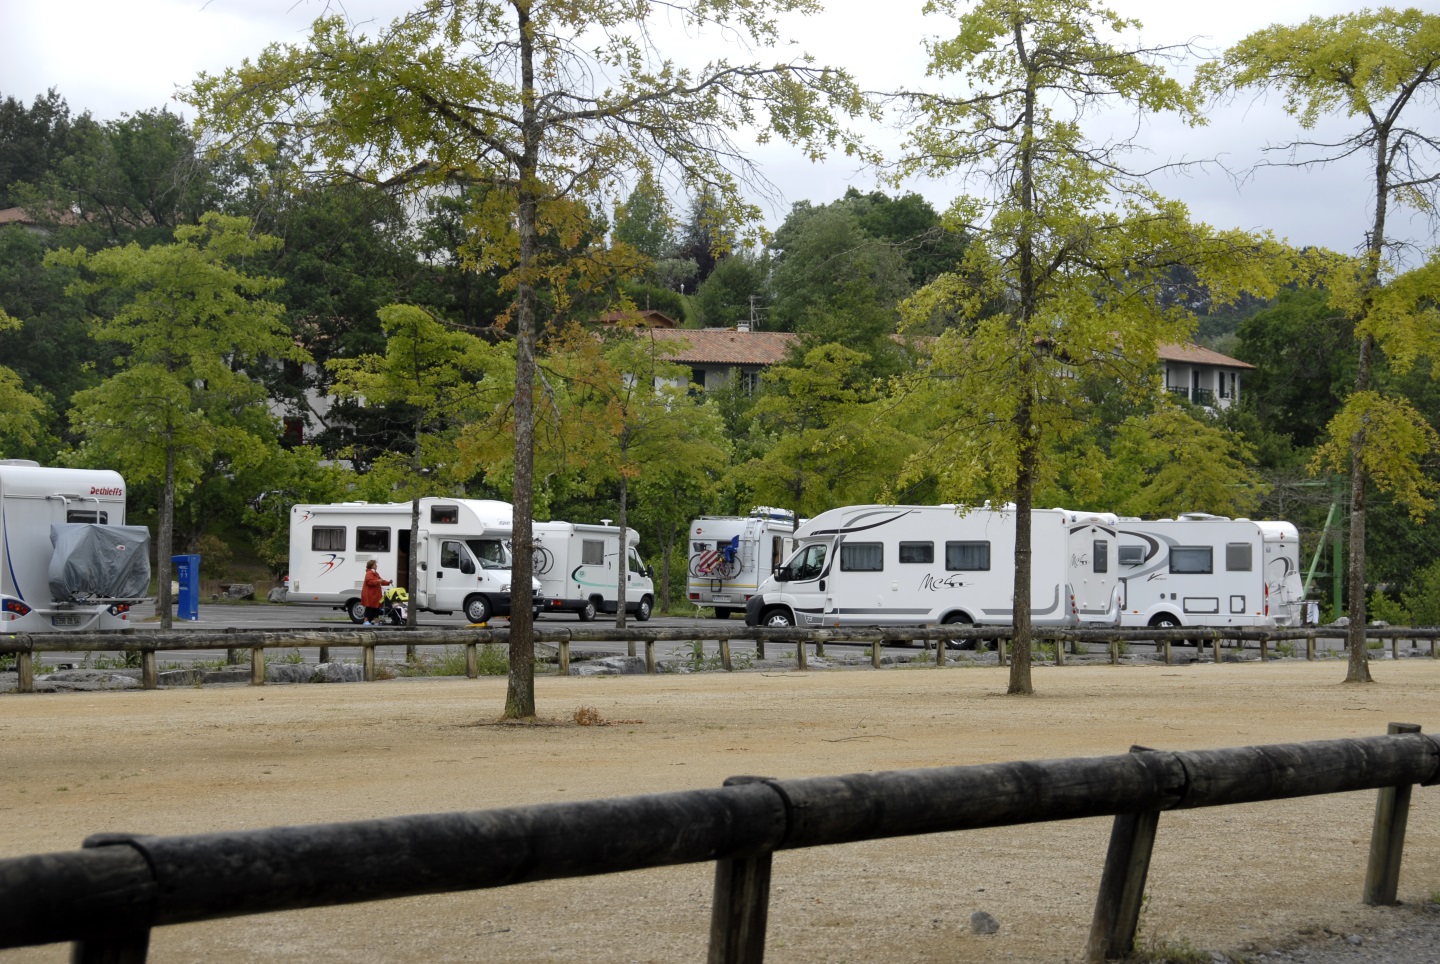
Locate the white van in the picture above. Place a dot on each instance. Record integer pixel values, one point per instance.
(463, 564)
(926, 565)
(579, 567)
(69, 561)
(730, 555)
(1208, 570)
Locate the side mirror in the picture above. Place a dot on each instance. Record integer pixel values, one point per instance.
(783, 574)
(467, 566)
(649, 572)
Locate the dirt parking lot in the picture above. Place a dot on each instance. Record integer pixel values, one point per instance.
(1239, 880)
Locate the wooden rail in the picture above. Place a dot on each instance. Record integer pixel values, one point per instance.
(24, 646)
(107, 897)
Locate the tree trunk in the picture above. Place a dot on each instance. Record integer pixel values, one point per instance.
(165, 545)
(1020, 682)
(520, 693)
(624, 560)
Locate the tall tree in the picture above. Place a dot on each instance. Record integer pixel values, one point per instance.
(1381, 70)
(1068, 245)
(193, 324)
(19, 410)
(548, 101)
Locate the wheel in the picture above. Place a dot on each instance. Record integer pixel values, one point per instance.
(477, 609)
(642, 612)
(396, 619)
(588, 613)
(355, 609)
(722, 612)
(958, 619)
(777, 619)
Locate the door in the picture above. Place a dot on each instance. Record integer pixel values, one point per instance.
(452, 573)
(808, 586)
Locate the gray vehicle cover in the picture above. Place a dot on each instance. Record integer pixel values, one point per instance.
(99, 562)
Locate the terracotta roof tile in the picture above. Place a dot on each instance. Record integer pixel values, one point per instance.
(1195, 355)
(728, 346)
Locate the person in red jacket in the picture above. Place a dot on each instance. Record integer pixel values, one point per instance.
(370, 593)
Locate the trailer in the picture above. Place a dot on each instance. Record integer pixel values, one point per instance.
(731, 555)
(928, 565)
(70, 563)
(578, 566)
(462, 565)
(1209, 570)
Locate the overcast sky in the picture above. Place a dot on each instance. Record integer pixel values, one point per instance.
(111, 57)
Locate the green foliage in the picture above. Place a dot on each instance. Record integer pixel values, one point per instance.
(734, 292)
(20, 412)
(1397, 438)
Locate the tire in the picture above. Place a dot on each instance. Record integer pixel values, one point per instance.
(958, 619)
(722, 612)
(355, 609)
(395, 619)
(777, 619)
(1166, 621)
(477, 609)
(588, 613)
(642, 612)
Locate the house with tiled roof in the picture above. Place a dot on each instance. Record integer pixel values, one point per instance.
(715, 355)
(1201, 375)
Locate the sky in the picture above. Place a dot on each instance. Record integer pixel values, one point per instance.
(112, 58)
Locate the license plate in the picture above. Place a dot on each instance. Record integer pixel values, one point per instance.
(719, 598)
(65, 620)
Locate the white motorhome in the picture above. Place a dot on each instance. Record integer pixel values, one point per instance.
(926, 565)
(69, 561)
(1208, 570)
(731, 555)
(463, 563)
(578, 566)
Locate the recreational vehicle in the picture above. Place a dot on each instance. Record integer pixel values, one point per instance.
(579, 570)
(70, 562)
(926, 565)
(730, 555)
(463, 563)
(1208, 570)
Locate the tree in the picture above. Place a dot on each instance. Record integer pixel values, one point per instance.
(736, 292)
(1380, 69)
(506, 93)
(182, 405)
(19, 410)
(1067, 246)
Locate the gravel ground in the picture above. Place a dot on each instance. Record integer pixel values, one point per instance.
(1278, 881)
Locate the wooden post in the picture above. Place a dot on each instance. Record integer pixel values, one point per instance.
(25, 667)
(1114, 652)
(562, 657)
(1394, 647)
(1264, 648)
(232, 656)
(649, 656)
(820, 647)
(149, 676)
(368, 661)
(759, 647)
(1387, 837)
(472, 660)
(999, 648)
(324, 656)
(725, 656)
(740, 910)
(1122, 885)
(1169, 656)
(1059, 652)
(127, 947)
(939, 652)
(1432, 647)
(1310, 646)
(875, 653)
(1215, 648)
(257, 666)
(801, 656)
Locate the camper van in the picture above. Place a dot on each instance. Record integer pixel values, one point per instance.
(731, 555)
(926, 565)
(463, 563)
(1209, 570)
(579, 570)
(69, 561)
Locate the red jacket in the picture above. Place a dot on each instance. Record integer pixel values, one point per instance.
(370, 592)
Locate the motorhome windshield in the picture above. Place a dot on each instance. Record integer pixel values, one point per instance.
(490, 552)
(807, 562)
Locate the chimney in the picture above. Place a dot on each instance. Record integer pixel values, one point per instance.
(742, 326)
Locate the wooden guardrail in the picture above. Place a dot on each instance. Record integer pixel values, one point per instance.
(24, 646)
(107, 897)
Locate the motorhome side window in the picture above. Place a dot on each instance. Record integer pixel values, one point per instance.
(967, 556)
(592, 552)
(636, 566)
(445, 515)
(450, 555)
(1132, 555)
(923, 552)
(808, 563)
(1239, 557)
(1192, 559)
(372, 540)
(87, 515)
(1101, 556)
(328, 538)
(862, 557)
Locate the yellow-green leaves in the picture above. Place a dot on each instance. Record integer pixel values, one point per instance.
(1395, 439)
